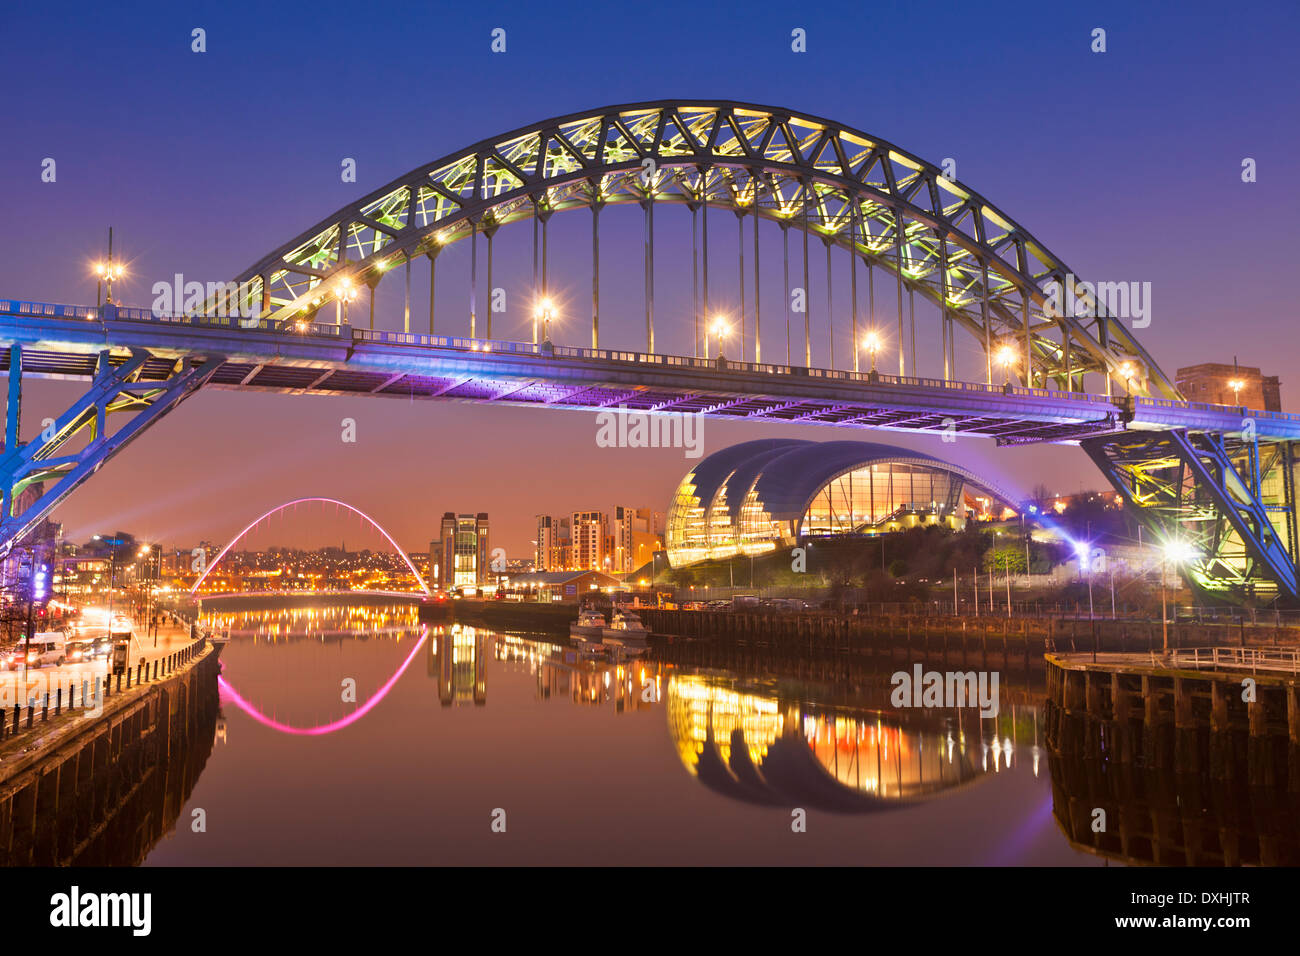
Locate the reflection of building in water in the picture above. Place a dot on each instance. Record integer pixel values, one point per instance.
(755, 746)
(563, 672)
(458, 659)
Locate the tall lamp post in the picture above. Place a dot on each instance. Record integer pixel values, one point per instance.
(1179, 552)
(146, 552)
(871, 342)
(1084, 551)
(1128, 371)
(1006, 357)
(107, 272)
(545, 311)
(347, 294)
(719, 330)
(1236, 385)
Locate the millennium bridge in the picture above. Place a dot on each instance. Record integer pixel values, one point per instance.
(1219, 480)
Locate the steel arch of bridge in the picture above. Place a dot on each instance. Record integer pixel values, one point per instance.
(898, 212)
(299, 501)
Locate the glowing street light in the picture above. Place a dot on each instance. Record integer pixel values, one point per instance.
(347, 294)
(719, 329)
(1128, 372)
(1236, 385)
(1179, 552)
(544, 311)
(1006, 357)
(871, 342)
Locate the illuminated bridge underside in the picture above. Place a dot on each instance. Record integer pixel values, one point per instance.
(389, 364)
(332, 360)
(1231, 499)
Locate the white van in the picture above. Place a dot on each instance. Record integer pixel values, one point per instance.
(47, 647)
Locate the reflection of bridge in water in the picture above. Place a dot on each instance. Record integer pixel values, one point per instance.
(838, 748)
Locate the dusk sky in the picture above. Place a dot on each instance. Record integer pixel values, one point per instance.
(1127, 164)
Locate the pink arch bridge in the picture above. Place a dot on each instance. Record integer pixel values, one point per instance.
(298, 501)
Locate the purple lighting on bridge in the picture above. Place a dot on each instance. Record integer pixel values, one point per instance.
(229, 694)
(297, 501)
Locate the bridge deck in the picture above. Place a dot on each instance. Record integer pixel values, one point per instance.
(59, 341)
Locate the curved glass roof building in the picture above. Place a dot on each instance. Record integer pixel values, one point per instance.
(760, 495)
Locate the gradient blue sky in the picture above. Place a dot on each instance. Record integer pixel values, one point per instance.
(1126, 164)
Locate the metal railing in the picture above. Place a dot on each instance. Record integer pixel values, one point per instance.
(1286, 660)
(546, 350)
(94, 691)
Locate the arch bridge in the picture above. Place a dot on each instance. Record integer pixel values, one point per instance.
(1221, 477)
(280, 509)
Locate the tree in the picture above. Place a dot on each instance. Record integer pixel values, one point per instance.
(1040, 496)
(1005, 559)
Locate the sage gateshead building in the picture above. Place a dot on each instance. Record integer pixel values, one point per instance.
(758, 496)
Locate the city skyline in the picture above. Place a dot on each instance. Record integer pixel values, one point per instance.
(216, 472)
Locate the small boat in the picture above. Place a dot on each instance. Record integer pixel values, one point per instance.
(626, 631)
(589, 626)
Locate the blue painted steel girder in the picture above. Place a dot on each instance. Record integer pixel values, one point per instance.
(1192, 487)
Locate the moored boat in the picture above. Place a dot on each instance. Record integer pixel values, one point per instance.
(589, 626)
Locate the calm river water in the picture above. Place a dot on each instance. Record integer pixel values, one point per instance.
(462, 746)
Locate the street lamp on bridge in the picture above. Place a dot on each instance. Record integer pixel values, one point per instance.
(1006, 357)
(545, 310)
(347, 294)
(107, 272)
(871, 342)
(1128, 372)
(719, 330)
